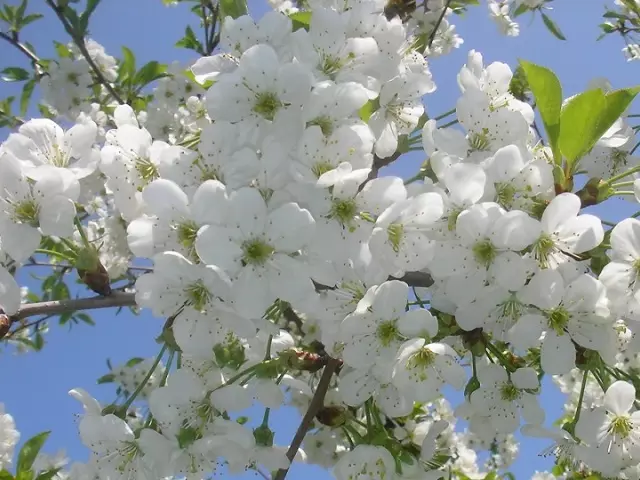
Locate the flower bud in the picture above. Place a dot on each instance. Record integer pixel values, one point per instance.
(332, 415)
(5, 324)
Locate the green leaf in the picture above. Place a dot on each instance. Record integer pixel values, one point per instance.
(368, 108)
(65, 317)
(62, 50)
(27, 90)
(233, 8)
(190, 41)
(522, 8)
(83, 317)
(48, 474)
(587, 116)
(127, 67)
(108, 378)
(29, 451)
(300, 20)
(20, 12)
(612, 14)
(547, 92)
(134, 361)
(30, 19)
(4, 475)
(38, 341)
(616, 104)
(578, 123)
(552, 26)
(149, 72)
(14, 74)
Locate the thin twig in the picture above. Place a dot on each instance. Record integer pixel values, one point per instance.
(35, 323)
(55, 307)
(14, 41)
(432, 36)
(316, 404)
(205, 21)
(79, 41)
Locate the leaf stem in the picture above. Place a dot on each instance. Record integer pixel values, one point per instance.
(137, 391)
(79, 41)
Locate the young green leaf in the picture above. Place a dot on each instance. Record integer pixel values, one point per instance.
(108, 378)
(552, 26)
(30, 19)
(29, 451)
(4, 475)
(14, 74)
(149, 72)
(127, 66)
(547, 92)
(522, 8)
(300, 20)
(190, 41)
(233, 8)
(48, 474)
(578, 123)
(588, 116)
(27, 90)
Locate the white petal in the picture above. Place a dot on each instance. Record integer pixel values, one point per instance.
(619, 398)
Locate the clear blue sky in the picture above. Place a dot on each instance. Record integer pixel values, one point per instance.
(34, 386)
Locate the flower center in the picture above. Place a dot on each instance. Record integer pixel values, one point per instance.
(146, 169)
(256, 252)
(422, 359)
(452, 219)
(543, 248)
(325, 123)
(320, 168)
(618, 160)
(198, 295)
(128, 453)
(387, 332)
(620, 426)
(505, 193)
(484, 252)
(354, 289)
(395, 232)
(636, 270)
(343, 210)
(58, 157)
(509, 392)
(187, 233)
(330, 65)
(479, 142)
(267, 104)
(26, 212)
(558, 319)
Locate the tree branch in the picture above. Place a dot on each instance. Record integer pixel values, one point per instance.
(56, 307)
(14, 41)
(79, 41)
(416, 279)
(316, 404)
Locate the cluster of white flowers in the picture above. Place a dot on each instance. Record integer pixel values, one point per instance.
(9, 437)
(255, 193)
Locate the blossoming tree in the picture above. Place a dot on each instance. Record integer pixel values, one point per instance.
(239, 199)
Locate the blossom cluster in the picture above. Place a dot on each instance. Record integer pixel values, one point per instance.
(252, 184)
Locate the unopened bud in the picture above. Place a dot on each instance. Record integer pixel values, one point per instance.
(332, 416)
(92, 272)
(5, 324)
(263, 436)
(297, 359)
